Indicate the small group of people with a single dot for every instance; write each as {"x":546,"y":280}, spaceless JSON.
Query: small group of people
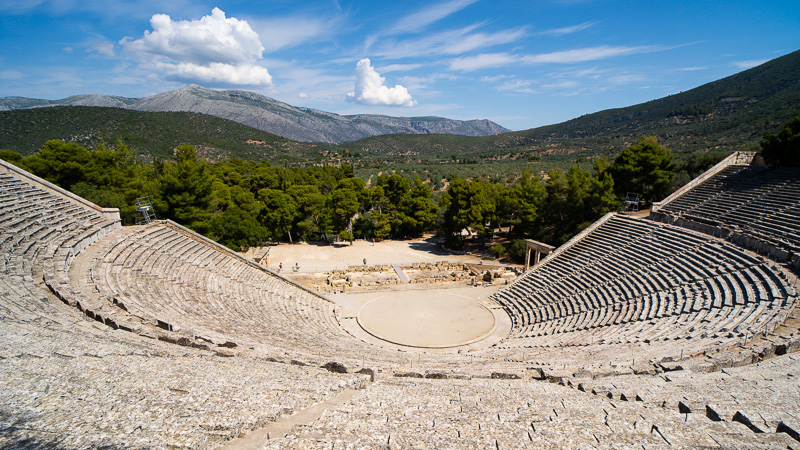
{"x":296,"y":267}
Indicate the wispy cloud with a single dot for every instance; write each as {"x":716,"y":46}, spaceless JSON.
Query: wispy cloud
{"x":103,"y":49}
{"x":518,"y":86}
{"x":103,"y":8}
{"x":588,"y":54}
{"x":568,"y":83}
{"x":692,"y":68}
{"x":287,"y":32}
{"x":749,"y":63}
{"x":399,"y":67}
{"x":493,"y":60}
{"x":626,"y":79}
{"x":419,"y":20}
{"x":295,"y":78}
{"x":427,"y":16}
{"x":494,"y":79}
{"x":567,"y":30}
{"x":483,"y":61}
{"x":589,"y":72}
{"x":10,"y":75}
{"x":451,"y":42}
{"x":421,"y":84}
{"x":564,"y":84}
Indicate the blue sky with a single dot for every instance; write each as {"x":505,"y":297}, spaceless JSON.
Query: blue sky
{"x":522,"y":64}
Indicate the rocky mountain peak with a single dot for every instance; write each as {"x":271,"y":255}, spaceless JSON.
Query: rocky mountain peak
{"x":273,"y":116}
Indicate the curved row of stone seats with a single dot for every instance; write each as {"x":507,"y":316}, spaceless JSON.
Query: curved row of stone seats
{"x":632,"y":280}
{"x":71,"y":382}
{"x":161,"y":279}
{"x":762,"y":396}
{"x":757,"y":207}
{"x":695,"y":301}
{"x":705,"y":191}
{"x":40,"y":231}
{"x":481,"y":413}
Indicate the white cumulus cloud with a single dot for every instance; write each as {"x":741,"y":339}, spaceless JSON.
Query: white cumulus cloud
{"x":213,"y":38}
{"x":214,"y":48}
{"x":371,"y":89}
{"x":218,"y":73}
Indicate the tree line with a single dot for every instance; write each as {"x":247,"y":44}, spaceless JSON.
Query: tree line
{"x":246,"y":203}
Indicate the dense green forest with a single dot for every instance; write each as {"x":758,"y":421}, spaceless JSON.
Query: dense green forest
{"x":243,"y":203}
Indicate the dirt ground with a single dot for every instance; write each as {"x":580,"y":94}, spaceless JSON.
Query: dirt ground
{"x":313,"y":257}
{"x":399,"y":315}
{"x":427,"y":320}
{"x":442,"y":318}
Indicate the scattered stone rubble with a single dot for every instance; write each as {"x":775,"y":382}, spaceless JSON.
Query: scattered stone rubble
{"x":382,"y":277}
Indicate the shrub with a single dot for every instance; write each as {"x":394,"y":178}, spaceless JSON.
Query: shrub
{"x":517,"y":250}
{"x":346,"y":235}
{"x":497,"y":249}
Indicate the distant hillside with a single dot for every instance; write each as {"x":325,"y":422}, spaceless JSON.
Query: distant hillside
{"x":727,"y":114}
{"x":267,"y":114}
{"x":153,"y":134}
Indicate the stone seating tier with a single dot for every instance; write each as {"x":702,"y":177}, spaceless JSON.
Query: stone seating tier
{"x":755,"y":394}
{"x":757,"y":207}
{"x":629,"y":278}
{"x":167,"y":281}
{"x":412,"y":413}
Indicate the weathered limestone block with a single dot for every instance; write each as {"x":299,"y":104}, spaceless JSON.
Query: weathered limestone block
{"x":335,"y":367}
{"x":505,"y":376}
{"x":408,"y":375}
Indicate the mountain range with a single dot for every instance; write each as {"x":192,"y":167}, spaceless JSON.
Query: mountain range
{"x":732,"y":113}
{"x":267,"y":114}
